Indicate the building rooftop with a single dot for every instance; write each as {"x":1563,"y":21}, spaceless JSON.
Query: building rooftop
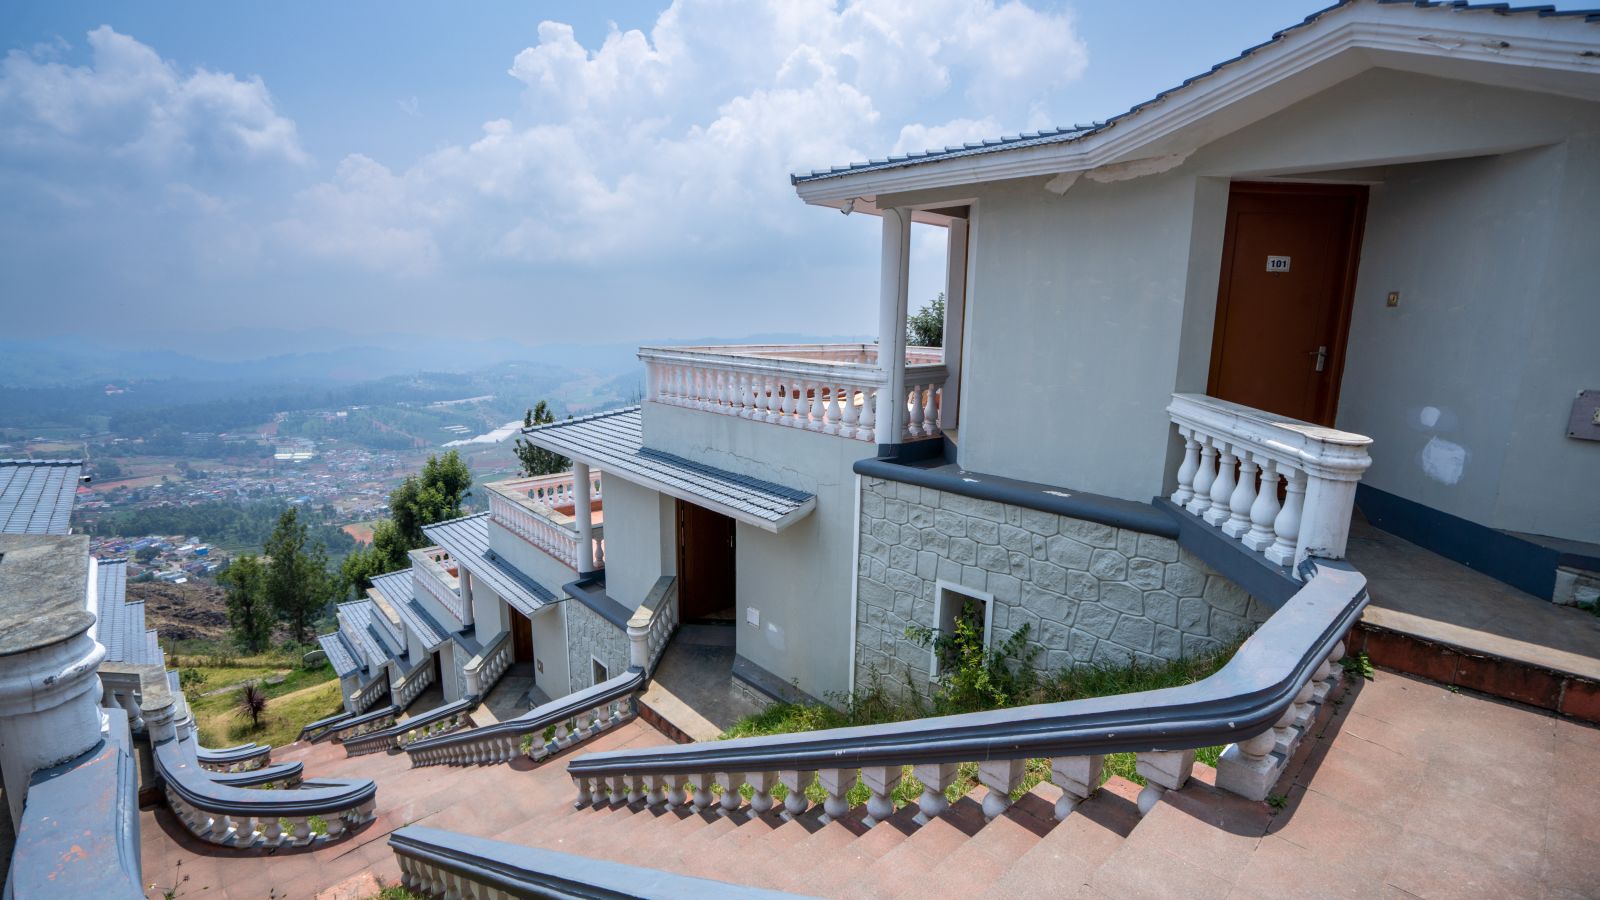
{"x":467,"y":540}
{"x":340,"y":654}
{"x":36,"y":495}
{"x":396,"y":587}
{"x":614,"y":442}
{"x":120,"y":625}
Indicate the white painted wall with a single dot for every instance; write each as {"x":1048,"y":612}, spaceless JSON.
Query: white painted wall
{"x":550,"y":650}
{"x":1085,"y":311}
{"x":799,"y":579}
{"x":640,"y":539}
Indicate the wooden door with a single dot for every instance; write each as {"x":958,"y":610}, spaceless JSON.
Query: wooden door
{"x":521,"y":638}
{"x":1283,"y":305}
{"x":705,"y":564}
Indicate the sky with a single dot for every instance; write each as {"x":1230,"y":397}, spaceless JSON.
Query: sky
{"x":186,"y":175}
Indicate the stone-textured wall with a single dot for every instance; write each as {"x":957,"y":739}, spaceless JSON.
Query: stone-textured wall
{"x":590,"y":635}
{"x":1090,"y":593}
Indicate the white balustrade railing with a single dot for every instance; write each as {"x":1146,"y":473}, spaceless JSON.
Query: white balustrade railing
{"x":1238,"y":460}
{"x":483,"y":670}
{"x":551,"y":491}
{"x":366,"y":725}
{"x":369,"y":694}
{"x":428,"y":567}
{"x":413,"y":683}
{"x":832,"y":388}
{"x":551,"y":530}
{"x":653,"y":624}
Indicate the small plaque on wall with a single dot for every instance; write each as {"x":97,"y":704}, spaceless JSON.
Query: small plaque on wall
{"x":1585,"y":423}
{"x":1277,"y":264}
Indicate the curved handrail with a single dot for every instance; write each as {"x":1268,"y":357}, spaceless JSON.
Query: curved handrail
{"x":345,"y":723}
{"x":1241,"y":700}
{"x":227,"y":814}
{"x":392,"y":736}
{"x":504,"y":736}
{"x":287,"y":774}
{"x":240,"y":758}
{"x":320,"y":725}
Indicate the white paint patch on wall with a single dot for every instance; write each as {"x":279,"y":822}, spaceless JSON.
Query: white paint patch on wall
{"x":1444,"y":461}
{"x":1429,"y":416}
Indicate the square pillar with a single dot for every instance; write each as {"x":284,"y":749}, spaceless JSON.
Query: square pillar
{"x":582,"y":512}
{"x":892,"y":289}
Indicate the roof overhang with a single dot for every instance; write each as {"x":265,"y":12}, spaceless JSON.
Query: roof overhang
{"x":688,"y":496}
{"x":1552,"y":54}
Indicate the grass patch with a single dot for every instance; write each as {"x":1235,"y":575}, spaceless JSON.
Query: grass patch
{"x":881,"y":702}
{"x":296,"y":696}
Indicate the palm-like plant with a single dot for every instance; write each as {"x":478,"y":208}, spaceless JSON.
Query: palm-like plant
{"x":253,"y":701}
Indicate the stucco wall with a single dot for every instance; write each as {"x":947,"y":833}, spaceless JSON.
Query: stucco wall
{"x":550,"y":572}
{"x":798,"y":580}
{"x":1089,"y":593}
{"x":640,"y":543}
{"x":550,"y":651}
{"x":590,"y":635}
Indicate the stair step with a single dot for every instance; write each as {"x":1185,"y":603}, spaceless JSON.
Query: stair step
{"x":1066,"y":858}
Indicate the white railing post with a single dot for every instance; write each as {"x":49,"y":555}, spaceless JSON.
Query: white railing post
{"x":892,"y":293}
{"x":582,"y":512}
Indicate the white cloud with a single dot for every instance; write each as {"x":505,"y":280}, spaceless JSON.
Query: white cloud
{"x":128,"y":106}
{"x":678,"y":143}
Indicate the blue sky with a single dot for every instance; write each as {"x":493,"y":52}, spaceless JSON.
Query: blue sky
{"x":171,"y":173}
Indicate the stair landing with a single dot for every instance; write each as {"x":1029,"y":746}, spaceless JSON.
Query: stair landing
{"x":1390,"y":794}
{"x":1434,"y":617}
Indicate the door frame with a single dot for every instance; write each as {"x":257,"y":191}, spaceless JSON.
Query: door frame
{"x":1327,"y":405}
{"x":683,"y":550}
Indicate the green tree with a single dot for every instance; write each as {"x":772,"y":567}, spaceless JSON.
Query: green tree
{"x":537,"y":460}
{"x":925,"y":328}
{"x":387,"y":553}
{"x":297,"y":586}
{"x":250,"y":616}
{"x":433,"y":496}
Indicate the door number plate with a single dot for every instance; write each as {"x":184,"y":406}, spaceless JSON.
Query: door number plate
{"x":1277,"y":264}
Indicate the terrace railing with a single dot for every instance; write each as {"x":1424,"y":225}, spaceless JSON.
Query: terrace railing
{"x":482,"y":671}
{"x":430,"y":568}
{"x":570,"y":720}
{"x":1236,"y":462}
{"x":243,"y":758}
{"x":539,"y":510}
{"x":1260,"y":702}
{"x":439,"y":720}
{"x":368,"y":695}
{"x":365,"y":723}
{"x":277,"y":776}
{"x":828,"y":388}
{"x":413,"y":683}
{"x":654,"y":622}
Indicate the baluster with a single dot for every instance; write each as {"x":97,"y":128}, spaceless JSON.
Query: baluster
{"x":836,"y":784}
{"x":818,"y":411}
{"x":730,"y":793}
{"x":795,"y":801}
{"x":1001,"y":777}
{"x":881,"y":781}
{"x":1203,"y":478}
{"x":1247,"y":768}
{"x":936,"y":778}
{"x":701,"y":782}
{"x":302,"y":829}
{"x":585,"y":795}
{"x":1286,"y":527}
{"x":794,"y":409}
{"x":658,"y":790}
{"x":676,"y":795}
{"x":1163,"y":770}
{"x":1078,"y":777}
{"x":869,"y":414}
{"x":849,"y":422}
{"x":1186,"y":471}
{"x":765,"y":411}
{"x":738,"y":396}
{"x":930,"y":412}
{"x":914,"y":412}
{"x":1222,"y":487}
{"x":831,"y":412}
{"x":1242,"y":498}
{"x":619,"y":789}
{"x":1265,"y":509}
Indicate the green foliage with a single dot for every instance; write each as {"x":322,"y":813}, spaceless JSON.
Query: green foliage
{"x":431,"y":497}
{"x":971,"y":676}
{"x":250,"y":612}
{"x":1358,"y":665}
{"x":253,"y":703}
{"x":537,"y":460}
{"x":925,"y":327}
{"x":1277,"y":801}
{"x":386,"y":554}
{"x":297,"y":585}
{"x":191,"y":678}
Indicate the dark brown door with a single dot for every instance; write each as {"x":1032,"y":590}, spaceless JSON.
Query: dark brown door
{"x":705,"y":564}
{"x":1283,"y":306}
{"x":521,"y":638}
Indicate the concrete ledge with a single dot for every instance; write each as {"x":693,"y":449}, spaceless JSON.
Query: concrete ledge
{"x":768,"y":686}
{"x":1266,"y":581}
{"x":591,"y":592}
{"x":1497,"y":676}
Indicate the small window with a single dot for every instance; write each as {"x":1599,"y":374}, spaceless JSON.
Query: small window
{"x":955,"y":607}
{"x":599,"y":671}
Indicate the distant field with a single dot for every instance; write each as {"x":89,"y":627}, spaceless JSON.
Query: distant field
{"x":360,"y":531}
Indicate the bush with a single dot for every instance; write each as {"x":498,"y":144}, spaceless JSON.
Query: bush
{"x":190,"y":678}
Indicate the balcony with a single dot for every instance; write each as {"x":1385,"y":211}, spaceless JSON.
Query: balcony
{"x":542,"y":511}
{"x":440,"y":576}
{"x":826,"y":388}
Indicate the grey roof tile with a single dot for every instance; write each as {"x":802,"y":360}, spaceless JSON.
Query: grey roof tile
{"x":340,"y":655}
{"x":119,"y":625}
{"x":397,"y":588}
{"x":467,"y":540}
{"x":1067,"y":134}
{"x":36,"y":495}
{"x":614,"y":441}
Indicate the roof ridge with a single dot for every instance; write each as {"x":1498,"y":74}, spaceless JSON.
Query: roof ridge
{"x":605,"y":413}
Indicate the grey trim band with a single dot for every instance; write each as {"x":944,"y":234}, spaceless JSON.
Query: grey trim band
{"x":769,"y":684}
{"x":1264,"y":580}
{"x":590,"y":590}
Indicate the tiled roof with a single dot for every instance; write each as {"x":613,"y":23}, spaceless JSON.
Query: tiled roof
{"x":1067,"y":134}
{"x":614,"y":441}
{"x":396,"y":587}
{"x":467,"y":540}
{"x":355,"y":620}
{"x":340,"y":655}
{"x":119,"y":625}
{"x":36,"y":495}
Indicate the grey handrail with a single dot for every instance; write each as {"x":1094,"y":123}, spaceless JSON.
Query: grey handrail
{"x":330,"y":727}
{"x":286,"y":774}
{"x":375,"y":740}
{"x":201,"y":790}
{"x":314,"y":731}
{"x":1242,"y":699}
{"x":436,"y":862}
{"x":534,"y":721}
{"x":249,"y":756}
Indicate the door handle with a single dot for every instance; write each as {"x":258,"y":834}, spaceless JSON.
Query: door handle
{"x":1321,"y":353}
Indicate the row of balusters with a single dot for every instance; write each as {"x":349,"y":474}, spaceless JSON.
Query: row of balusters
{"x":504,"y":746}
{"x":1235,"y":486}
{"x":547,"y":536}
{"x":832,"y":408}
{"x":266,"y":831}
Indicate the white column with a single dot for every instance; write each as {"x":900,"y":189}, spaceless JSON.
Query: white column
{"x":955,"y":304}
{"x":49,"y":710}
{"x":581,"y":511}
{"x":892,"y":289}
